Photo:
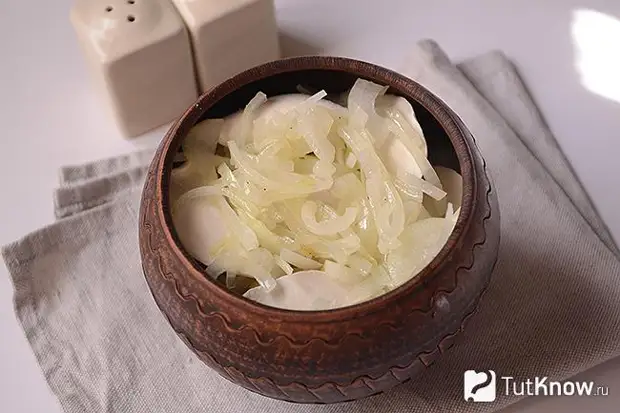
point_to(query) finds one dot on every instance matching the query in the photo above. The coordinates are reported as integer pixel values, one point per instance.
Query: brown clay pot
(337, 355)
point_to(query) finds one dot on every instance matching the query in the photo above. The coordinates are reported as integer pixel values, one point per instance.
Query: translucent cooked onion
(348, 187)
(265, 236)
(304, 290)
(384, 201)
(199, 158)
(361, 99)
(403, 118)
(341, 273)
(202, 139)
(314, 126)
(197, 218)
(453, 185)
(239, 127)
(286, 182)
(414, 184)
(276, 118)
(231, 279)
(350, 161)
(310, 103)
(329, 226)
(359, 264)
(285, 266)
(243, 263)
(195, 193)
(422, 241)
(189, 176)
(338, 249)
(299, 260)
(323, 205)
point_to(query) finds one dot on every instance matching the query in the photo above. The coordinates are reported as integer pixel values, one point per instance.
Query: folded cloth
(551, 309)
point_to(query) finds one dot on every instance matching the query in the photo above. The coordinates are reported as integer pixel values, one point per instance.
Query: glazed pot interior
(335, 76)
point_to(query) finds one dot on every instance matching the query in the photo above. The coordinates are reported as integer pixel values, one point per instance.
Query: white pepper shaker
(229, 36)
(139, 55)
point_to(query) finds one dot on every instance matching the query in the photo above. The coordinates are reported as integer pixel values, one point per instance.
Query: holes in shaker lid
(130, 18)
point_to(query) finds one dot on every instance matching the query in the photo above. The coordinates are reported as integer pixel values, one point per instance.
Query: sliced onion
(424, 214)
(409, 192)
(215, 271)
(384, 200)
(422, 241)
(341, 273)
(202, 139)
(359, 264)
(362, 98)
(348, 187)
(299, 260)
(402, 115)
(263, 258)
(330, 226)
(314, 185)
(413, 182)
(270, 217)
(398, 159)
(253, 264)
(302, 291)
(413, 210)
(351, 160)
(245, 235)
(239, 126)
(314, 125)
(449, 210)
(225, 173)
(452, 183)
(200, 192)
(247, 119)
(267, 238)
(289, 182)
(369, 287)
(277, 118)
(200, 164)
(338, 250)
(231, 279)
(239, 202)
(200, 225)
(310, 102)
(305, 165)
(188, 176)
(285, 266)
(366, 230)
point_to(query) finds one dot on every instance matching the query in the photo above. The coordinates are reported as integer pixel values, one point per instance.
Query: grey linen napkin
(551, 309)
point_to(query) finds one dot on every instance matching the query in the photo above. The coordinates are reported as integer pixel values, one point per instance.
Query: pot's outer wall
(328, 358)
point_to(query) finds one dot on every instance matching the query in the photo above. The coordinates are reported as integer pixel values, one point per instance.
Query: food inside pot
(302, 203)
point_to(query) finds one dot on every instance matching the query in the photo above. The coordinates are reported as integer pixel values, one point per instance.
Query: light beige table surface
(49, 115)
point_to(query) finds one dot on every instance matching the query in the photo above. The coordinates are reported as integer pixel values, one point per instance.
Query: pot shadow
(292, 45)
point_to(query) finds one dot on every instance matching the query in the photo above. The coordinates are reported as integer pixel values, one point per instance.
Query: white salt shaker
(140, 57)
(229, 36)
